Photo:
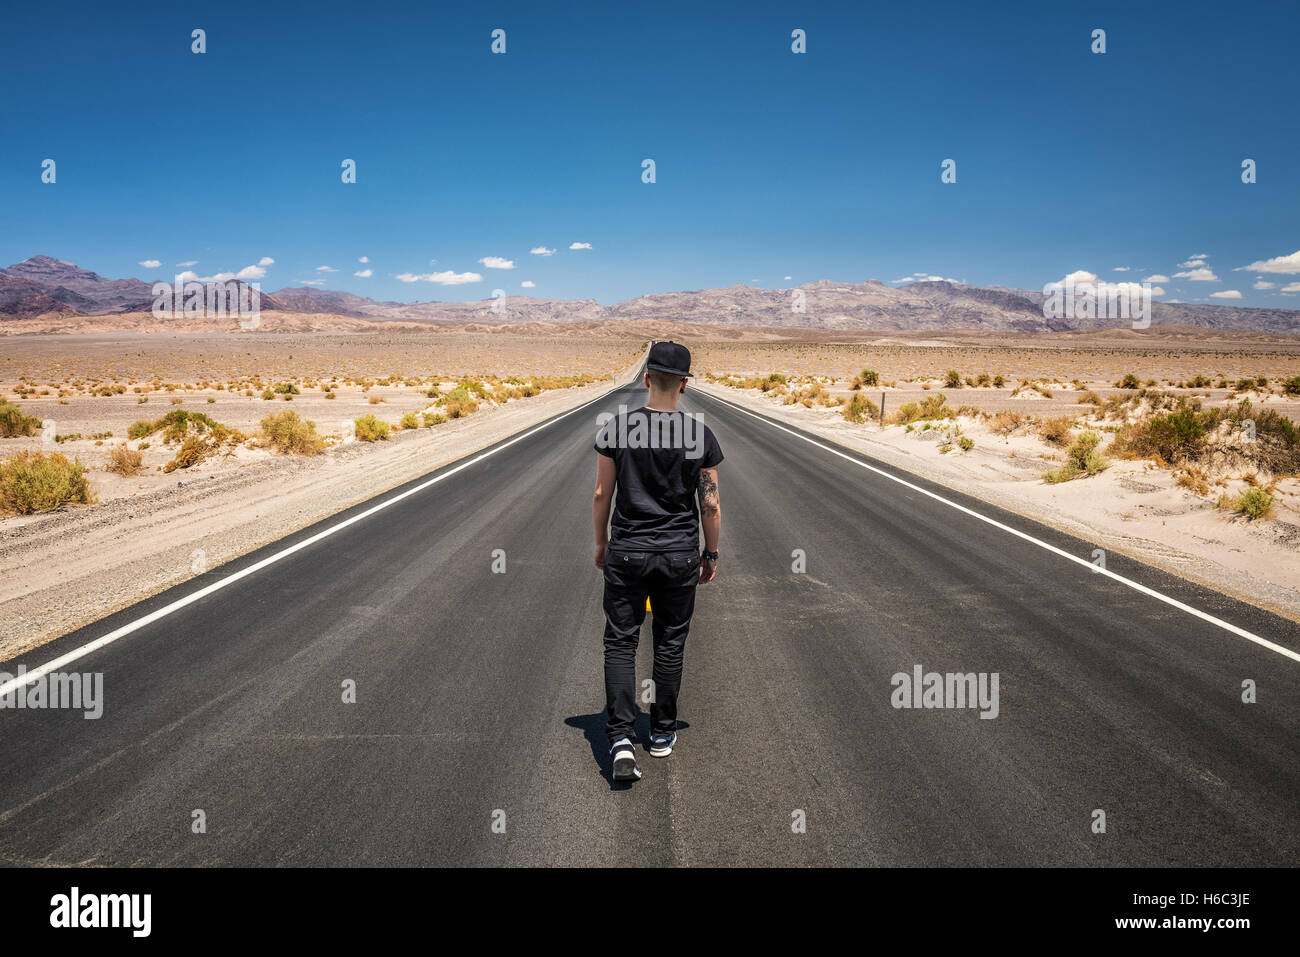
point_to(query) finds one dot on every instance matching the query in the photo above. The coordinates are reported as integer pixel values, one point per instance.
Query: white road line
(1136, 586)
(112, 636)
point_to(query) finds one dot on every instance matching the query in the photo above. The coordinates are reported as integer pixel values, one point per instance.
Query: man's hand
(600, 556)
(708, 570)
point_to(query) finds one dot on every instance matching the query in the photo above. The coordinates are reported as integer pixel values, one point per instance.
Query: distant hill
(46, 286)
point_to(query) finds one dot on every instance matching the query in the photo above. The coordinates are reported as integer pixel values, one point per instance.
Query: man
(653, 465)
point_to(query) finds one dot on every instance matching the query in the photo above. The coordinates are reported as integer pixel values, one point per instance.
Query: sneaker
(661, 744)
(625, 766)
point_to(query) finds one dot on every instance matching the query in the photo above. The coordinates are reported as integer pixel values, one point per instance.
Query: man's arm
(602, 501)
(710, 520)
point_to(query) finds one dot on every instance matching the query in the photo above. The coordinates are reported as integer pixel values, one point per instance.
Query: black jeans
(668, 579)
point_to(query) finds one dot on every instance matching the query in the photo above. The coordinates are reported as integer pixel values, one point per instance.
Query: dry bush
(370, 429)
(35, 482)
(1082, 458)
(1056, 431)
(124, 461)
(290, 433)
(1005, 423)
(860, 409)
(14, 422)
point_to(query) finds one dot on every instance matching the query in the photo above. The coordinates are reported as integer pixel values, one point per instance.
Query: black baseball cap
(670, 357)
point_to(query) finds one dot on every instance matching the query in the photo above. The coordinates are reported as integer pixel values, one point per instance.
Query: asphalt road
(479, 696)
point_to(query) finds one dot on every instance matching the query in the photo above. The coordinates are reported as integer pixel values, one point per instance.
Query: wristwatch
(711, 556)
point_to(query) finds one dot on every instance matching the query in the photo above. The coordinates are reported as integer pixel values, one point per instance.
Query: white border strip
(112, 636)
(1136, 586)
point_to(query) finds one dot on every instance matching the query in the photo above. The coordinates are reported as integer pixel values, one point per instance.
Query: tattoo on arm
(708, 490)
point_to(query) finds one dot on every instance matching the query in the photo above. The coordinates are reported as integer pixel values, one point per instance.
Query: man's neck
(662, 403)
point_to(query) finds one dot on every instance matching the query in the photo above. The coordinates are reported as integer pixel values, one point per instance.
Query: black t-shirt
(658, 456)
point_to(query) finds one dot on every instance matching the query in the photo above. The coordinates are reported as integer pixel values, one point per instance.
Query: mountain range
(47, 287)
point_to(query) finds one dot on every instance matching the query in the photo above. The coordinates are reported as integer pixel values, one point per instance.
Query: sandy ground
(62, 570)
(1133, 507)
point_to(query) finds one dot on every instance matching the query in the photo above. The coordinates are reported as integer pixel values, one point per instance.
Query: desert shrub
(14, 422)
(1170, 437)
(1056, 430)
(952, 379)
(370, 429)
(1199, 382)
(459, 408)
(290, 433)
(1129, 381)
(1291, 386)
(1082, 458)
(1005, 423)
(869, 377)
(410, 420)
(124, 461)
(859, 409)
(1245, 385)
(1088, 397)
(929, 408)
(433, 418)
(287, 388)
(193, 450)
(35, 482)
(966, 443)
(1254, 502)
(999, 382)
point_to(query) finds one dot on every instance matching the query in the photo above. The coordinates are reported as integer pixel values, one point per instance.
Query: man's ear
(682, 390)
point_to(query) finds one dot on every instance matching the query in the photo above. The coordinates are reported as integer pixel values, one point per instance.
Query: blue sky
(769, 164)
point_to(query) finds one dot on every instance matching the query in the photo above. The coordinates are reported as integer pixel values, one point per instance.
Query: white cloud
(1192, 264)
(496, 262)
(579, 245)
(189, 276)
(192, 262)
(312, 282)
(1198, 275)
(266, 261)
(251, 272)
(788, 278)
(1156, 277)
(1265, 285)
(447, 278)
(364, 273)
(1122, 268)
(528, 284)
(1283, 264)
(326, 269)
(150, 263)
(1226, 294)
(363, 259)
(541, 251)
(1291, 287)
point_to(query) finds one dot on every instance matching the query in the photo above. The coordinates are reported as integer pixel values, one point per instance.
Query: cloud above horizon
(1279, 264)
(497, 262)
(447, 278)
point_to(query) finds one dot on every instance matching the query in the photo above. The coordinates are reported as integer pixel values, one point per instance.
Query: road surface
(476, 736)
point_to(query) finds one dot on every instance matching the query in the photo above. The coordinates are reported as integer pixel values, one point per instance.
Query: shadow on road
(592, 727)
